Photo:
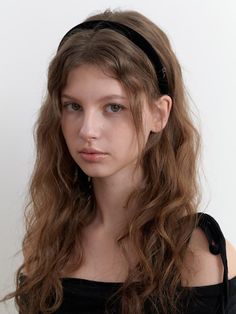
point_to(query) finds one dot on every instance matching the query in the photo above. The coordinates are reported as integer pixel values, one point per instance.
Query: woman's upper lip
(91, 151)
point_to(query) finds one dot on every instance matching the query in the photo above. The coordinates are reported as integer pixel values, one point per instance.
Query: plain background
(203, 37)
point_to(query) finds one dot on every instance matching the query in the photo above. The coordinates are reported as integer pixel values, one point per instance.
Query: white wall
(204, 38)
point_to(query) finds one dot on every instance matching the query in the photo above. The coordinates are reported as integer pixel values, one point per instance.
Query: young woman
(113, 226)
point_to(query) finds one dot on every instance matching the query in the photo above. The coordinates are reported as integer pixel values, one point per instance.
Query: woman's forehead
(91, 81)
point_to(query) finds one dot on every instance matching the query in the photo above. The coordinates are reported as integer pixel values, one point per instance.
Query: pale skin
(94, 125)
(93, 122)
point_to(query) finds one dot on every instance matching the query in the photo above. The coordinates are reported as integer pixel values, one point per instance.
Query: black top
(89, 297)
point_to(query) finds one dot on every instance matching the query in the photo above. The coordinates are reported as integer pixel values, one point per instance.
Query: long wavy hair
(62, 201)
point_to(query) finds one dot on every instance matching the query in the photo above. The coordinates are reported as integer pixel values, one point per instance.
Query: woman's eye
(115, 107)
(72, 106)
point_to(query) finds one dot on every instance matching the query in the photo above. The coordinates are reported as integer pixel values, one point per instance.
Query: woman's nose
(90, 125)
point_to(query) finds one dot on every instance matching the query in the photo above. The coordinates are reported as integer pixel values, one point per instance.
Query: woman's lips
(92, 156)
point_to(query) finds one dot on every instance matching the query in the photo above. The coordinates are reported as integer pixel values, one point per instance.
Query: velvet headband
(132, 35)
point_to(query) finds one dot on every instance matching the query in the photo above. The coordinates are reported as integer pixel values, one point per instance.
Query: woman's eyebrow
(107, 97)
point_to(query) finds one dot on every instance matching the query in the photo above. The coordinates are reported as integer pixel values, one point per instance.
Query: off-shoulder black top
(83, 296)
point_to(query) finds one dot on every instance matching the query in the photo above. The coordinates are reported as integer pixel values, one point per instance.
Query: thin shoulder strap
(217, 246)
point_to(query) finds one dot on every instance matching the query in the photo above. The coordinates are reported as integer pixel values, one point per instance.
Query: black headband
(132, 35)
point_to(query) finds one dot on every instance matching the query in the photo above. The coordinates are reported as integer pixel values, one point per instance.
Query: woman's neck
(111, 194)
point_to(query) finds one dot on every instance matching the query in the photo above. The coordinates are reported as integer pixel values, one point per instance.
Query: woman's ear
(160, 112)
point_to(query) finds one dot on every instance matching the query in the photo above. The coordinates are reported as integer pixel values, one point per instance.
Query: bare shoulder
(201, 267)
(231, 257)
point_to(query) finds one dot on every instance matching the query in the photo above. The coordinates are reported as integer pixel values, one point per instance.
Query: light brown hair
(62, 204)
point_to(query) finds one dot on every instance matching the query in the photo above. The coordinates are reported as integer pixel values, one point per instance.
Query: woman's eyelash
(117, 106)
(76, 107)
(66, 105)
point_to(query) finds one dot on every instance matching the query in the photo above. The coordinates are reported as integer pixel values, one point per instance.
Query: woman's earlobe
(161, 112)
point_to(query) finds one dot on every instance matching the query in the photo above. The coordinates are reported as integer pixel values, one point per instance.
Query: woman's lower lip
(93, 157)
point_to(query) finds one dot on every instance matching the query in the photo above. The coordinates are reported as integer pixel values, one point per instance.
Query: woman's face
(96, 115)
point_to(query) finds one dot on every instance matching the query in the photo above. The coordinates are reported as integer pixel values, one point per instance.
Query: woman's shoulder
(201, 266)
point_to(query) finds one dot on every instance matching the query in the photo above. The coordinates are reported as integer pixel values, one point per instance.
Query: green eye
(72, 106)
(115, 107)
